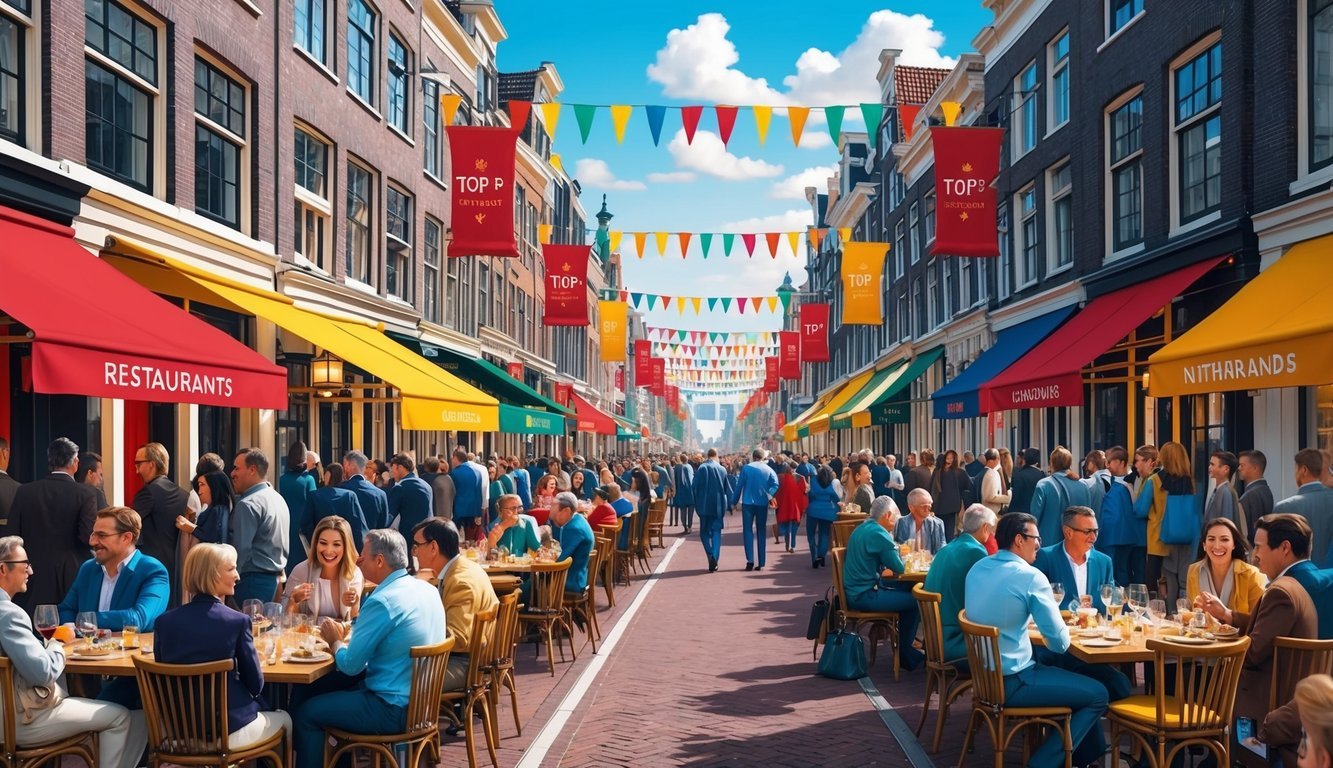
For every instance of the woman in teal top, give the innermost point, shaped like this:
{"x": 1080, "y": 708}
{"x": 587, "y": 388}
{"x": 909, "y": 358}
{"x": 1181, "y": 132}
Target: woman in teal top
{"x": 514, "y": 531}
{"x": 294, "y": 486}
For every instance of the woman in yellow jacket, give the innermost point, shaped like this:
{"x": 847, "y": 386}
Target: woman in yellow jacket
{"x": 1168, "y": 564}
{"x": 1224, "y": 571}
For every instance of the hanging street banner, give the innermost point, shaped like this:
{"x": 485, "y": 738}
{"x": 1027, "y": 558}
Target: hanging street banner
{"x": 483, "y": 208}
{"x": 966, "y": 160}
{"x": 562, "y": 392}
{"x": 657, "y": 379}
{"x": 643, "y": 363}
{"x": 566, "y": 284}
{"x": 620, "y": 378}
{"x": 789, "y": 355}
{"x": 814, "y": 333}
{"x": 611, "y": 330}
{"x": 515, "y": 369}
{"x": 862, "y": 265}
{"x": 770, "y": 374}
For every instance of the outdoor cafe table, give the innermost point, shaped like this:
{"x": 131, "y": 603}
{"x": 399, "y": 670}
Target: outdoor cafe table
{"x": 1124, "y": 653}
{"x": 121, "y": 664}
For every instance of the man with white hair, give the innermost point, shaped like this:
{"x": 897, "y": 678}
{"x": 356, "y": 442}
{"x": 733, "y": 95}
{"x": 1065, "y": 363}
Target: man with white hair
{"x": 871, "y": 560}
{"x": 920, "y": 526}
{"x": 948, "y": 573}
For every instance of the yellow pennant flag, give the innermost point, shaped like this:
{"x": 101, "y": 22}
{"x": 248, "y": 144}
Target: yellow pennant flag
{"x": 640, "y": 242}
{"x": 697, "y": 302}
{"x": 557, "y": 163}
{"x": 772, "y": 303}
{"x": 862, "y": 265}
{"x": 615, "y": 241}
{"x": 661, "y": 238}
{"x": 680, "y": 305}
{"x": 550, "y": 111}
{"x": 797, "y": 116}
{"x": 950, "y": 110}
{"x": 544, "y": 233}
{"x": 845, "y": 234}
{"x": 449, "y": 103}
{"x": 611, "y": 316}
{"x": 619, "y": 119}
{"x": 762, "y": 115}
{"x": 794, "y": 240}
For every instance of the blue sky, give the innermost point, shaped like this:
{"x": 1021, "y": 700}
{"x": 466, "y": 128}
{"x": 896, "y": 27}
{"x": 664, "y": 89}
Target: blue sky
{"x": 685, "y": 52}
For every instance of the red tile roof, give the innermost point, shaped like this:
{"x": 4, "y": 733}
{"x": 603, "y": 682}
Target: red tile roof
{"x": 915, "y": 85}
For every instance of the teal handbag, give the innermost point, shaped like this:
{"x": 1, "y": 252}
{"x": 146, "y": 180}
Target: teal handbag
{"x": 844, "y": 656}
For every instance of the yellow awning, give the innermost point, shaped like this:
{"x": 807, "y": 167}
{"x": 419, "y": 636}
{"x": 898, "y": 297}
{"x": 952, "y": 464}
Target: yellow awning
{"x": 431, "y": 397}
{"x": 819, "y": 422}
{"x": 789, "y": 433}
{"x": 1277, "y": 331}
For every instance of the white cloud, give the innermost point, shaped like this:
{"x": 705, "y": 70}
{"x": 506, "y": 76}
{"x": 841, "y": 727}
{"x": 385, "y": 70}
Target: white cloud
{"x": 787, "y": 221}
{"x": 698, "y": 63}
{"x": 594, "y": 173}
{"x": 708, "y": 155}
{"x": 793, "y": 187}
{"x": 671, "y": 177}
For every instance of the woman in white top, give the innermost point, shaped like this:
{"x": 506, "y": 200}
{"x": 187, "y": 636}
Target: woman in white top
{"x": 329, "y": 583}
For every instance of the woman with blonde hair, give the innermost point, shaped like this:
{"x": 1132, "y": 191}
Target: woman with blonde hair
{"x": 1168, "y": 563}
{"x": 1314, "y": 699}
{"x": 328, "y": 583}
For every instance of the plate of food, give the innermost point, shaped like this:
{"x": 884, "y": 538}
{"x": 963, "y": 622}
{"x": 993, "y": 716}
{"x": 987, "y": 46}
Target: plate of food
{"x": 302, "y": 656}
{"x": 1226, "y": 631}
{"x": 1187, "y": 639}
{"x": 94, "y": 652}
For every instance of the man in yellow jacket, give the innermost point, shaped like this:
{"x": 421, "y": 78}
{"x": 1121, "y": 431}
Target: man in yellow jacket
{"x": 464, "y": 588}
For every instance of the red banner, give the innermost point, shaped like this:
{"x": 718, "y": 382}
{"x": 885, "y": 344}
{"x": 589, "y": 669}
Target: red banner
{"x": 779, "y": 421}
{"x": 657, "y": 381}
{"x": 966, "y": 160}
{"x": 789, "y": 355}
{"x": 516, "y": 370}
{"x": 814, "y": 333}
{"x": 483, "y": 208}
{"x": 770, "y": 374}
{"x": 673, "y": 398}
{"x": 566, "y": 284}
{"x": 562, "y": 393}
{"x": 620, "y": 378}
{"x": 643, "y": 363}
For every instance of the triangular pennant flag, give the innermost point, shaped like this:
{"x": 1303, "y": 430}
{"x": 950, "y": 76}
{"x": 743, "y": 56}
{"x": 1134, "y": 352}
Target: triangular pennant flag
{"x": 550, "y": 112}
{"x": 749, "y": 244}
{"x": 584, "y": 113}
{"x": 712, "y": 306}
{"x": 950, "y": 110}
{"x": 697, "y": 302}
{"x": 681, "y": 335}
{"x": 740, "y": 302}
{"x": 907, "y": 117}
{"x": 655, "y": 112}
{"x": 872, "y": 113}
{"x": 518, "y": 114}
{"x": 544, "y": 233}
{"x": 666, "y": 304}
{"x": 640, "y": 242}
{"x": 689, "y": 117}
{"x": 793, "y": 239}
{"x": 727, "y": 240}
{"x": 652, "y": 299}
{"x": 797, "y": 116}
{"x": 449, "y": 103}
{"x": 726, "y": 120}
{"x": 619, "y": 118}
{"x": 624, "y": 296}
{"x": 772, "y": 238}
{"x": 680, "y": 306}
{"x": 615, "y": 241}
{"x": 762, "y": 115}
{"x": 557, "y": 163}
{"x": 833, "y": 115}
{"x": 636, "y": 299}
{"x": 726, "y": 303}
{"x": 757, "y": 301}
{"x": 845, "y": 234}
{"x": 684, "y": 238}
{"x": 772, "y": 303}
{"x": 661, "y": 239}
{"x": 786, "y": 300}
{"x": 812, "y": 237}
{"x": 705, "y": 241}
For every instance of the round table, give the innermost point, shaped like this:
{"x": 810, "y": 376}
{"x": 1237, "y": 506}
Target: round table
{"x": 504, "y": 583}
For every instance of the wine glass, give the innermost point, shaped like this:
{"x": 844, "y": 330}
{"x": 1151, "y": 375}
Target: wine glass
{"x": 1058, "y": 592}
{"x": 1137, "y": 596}
{"x": 85, "y": 624}
{"x": 1157, "y": 610}
{"x": 46, "y": 618}
{"x": 1108, "y": 590}
{"x": 253, "y": 608}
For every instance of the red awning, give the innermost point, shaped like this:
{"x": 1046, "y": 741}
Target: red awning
{"x": 590, "y": 417}
{"x": 1050, "y": 374}
{"x": 98, "y": 333}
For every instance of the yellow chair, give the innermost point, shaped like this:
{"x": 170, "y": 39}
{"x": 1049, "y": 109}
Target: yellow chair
{"x": 501, "y": 670}
{"x": 942, "y": 675}
{"x": 581, "y": 603}
{"x": 988, "y": 705}
{"x": 1295, "y": 659}
{"x": 888, "y": 620}
{"x": 546, "y": 610}
{"x": 475, "y": 694}
{"x": 81, "y": 745}
{"x": 1199, "y": 712}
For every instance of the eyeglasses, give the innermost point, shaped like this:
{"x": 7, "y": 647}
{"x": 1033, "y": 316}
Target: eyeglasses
{"x": 511, "y": 508}
{"x": 1084, "y": 531}
{"x": 27, "y": 563}
{"x": 100, "y": 535}
{"x": 1032, "y": 537}
{"x": 416, "y": 543}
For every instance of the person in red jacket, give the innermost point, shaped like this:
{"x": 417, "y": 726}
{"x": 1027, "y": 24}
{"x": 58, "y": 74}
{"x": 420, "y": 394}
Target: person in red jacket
{"x": 791, "y": 499}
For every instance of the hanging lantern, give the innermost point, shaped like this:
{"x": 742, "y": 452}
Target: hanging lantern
{"x": 326, "y": 374}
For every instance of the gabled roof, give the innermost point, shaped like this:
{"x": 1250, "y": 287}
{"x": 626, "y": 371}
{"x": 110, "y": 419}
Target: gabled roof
{"x": 914, "y": 85}
{"x": 518, "y": 86}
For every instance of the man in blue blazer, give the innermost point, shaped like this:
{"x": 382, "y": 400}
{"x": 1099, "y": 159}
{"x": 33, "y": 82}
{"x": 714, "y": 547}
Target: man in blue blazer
{"x": 332, "y": 499}
{"x": 920, "y": 526}
{"x": 1314, "y": 502}
{"x": 758, "y": 483}
{"x": 1059, "y": 560}
{"x": 469, "y": 490}
{"x": 374, "y": 502}
{"x": 682, "y": 476}
{"x": 710, "y": 500}
{"x": 410, "y": 498}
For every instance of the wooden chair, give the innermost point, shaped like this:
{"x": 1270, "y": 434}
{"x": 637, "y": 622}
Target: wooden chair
{"x": 657, "y": 522}
{"x": 840, "y": 531}
{"x": 642, "y": 541}
{"x": 185, "y": 706}
{"x": 421, "y": 732}
{"x": 546, "y": 609}
{"x": 942, "y": 675}
{"x": 606, "y": 553}
{"x": 988, "y": 705}
{"x": 1200, "y": 710}
{"x": 582, "y": 603}
{"x": 1295, "y": 659}
{"x": 502, "y": 668}
{"x": 81, "y": 745}
{"x": 888, "y": 620}
{"x": 623, "y": 558}
{"x": 475, "y": 695}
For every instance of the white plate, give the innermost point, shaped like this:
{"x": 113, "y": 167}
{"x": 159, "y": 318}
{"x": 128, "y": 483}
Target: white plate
{"x": 1100, "y": 642}
{"x": 1186, "y": 640}
{"x": 96, "y": 657}
{"x": 317, "y": 658}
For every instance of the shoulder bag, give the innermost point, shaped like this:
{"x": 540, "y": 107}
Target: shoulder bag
{"x": 844, "y": 656}
{"x": 1180, "y": 521}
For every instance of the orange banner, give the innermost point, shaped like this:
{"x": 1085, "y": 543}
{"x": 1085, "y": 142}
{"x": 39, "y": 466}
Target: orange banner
{"x": 862, "y": 265}
{"x": 611, "y": 316}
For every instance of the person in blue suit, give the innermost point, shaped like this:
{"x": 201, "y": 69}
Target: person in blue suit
{"x": 758, "y": 483}
{"x": 1123, "y": 536}
{"x": 470, "y": 488}
{"x": 374, "y": 501}
{"x": 711, "y": 501}
{"x": 410, "y": 498}
{"x": 1055, "y": 493}
{"x": 921, "y": 527}
{"x": 682, "y": 476}
{"x": 295, "y": 487}
{"x": 333, "y": 500}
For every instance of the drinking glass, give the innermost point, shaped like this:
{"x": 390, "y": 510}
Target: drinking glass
{"x": 264, "y": 647}
{"x": 45, "y": 618}
{"x": 1058, "y": 592}
{"x": 85, "y": 624}
{"x": 1157, "y": 610}
{"x": 129, "y": 636}
{"x": 1137, "y": 596}
{"x": 253, "y": 608}
{"x": 273, "y": 612}
{"x": 1108, "y": 590}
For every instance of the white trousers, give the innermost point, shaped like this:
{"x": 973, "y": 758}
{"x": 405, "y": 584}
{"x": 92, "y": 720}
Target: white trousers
{"x": 263, "y": 726}
{"x": 122, "y": 734}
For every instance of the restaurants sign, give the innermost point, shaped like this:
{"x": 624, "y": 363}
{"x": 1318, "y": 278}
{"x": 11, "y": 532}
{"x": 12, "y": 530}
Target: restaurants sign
{"x": 58, "y": 368}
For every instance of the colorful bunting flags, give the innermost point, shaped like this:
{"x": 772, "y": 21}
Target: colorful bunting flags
{"x": 762, "y": 116}
{"x": 584, "y": 113}
{"x": 778, "y": 243}
{"x": 726, "y": 120}
{"x": 655, "y": 115}
{"x": 550, "y": 112}
{"x": 619, "y": 119}
{"x": 689, "y": 118}
{"x": 797, "y": 117}
{"x": 696, "y": 303}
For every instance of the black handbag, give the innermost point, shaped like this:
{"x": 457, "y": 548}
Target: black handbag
{"x": 819, "y": 616}
{"x": 844, "y": 656}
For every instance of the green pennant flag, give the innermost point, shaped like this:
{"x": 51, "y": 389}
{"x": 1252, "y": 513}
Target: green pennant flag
{"x": 584, "y": 113}
{"x": 652, "y": 299}
{"x": 680, "y": 335}
{"x": 726, "y": 300}
{"x": 705, "y": 240}
{"x": 872, "y": 114}
{"x": 834, "y": 117}
{"x": 727, "y": 240}
{"x": 786, "y": 300}
{"x": 712, "y": 305}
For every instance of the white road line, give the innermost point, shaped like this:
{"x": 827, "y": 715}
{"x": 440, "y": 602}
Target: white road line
{"x": 540, "y": 746}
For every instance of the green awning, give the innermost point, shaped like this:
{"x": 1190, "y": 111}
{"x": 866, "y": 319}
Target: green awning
{"x": 842, "y": 418}
{"x": 888, "y": 408}
{"x": 626, "y": 429}
{"x": 482, "y": 374}
{"x": 530, "y": 421}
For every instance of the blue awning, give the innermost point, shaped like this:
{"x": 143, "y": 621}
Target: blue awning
{"x": 958, "y": 399}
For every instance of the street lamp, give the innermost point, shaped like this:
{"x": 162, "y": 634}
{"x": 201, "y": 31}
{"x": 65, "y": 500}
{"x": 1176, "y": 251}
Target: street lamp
{"x": 326, "y": 374}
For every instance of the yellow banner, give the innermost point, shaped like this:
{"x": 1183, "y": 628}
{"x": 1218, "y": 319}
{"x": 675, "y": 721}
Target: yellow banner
{"x": 862, "y": 265}
{"x": 611, "y": 327}
{"x": 550, "y": 111}
{"x": 797, "y": 116}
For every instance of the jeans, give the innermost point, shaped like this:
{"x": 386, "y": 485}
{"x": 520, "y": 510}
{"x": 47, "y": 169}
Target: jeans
{"x": 1043, "y": 686}
{"x": 1113, "y": 680}
{"x": 897, "y": 601}
{"x": 710, "y": 533}
{"x": 356, "y": 710}
{"x": 257, "y": 586}
{"x": 788, "y": 531}
{"x": 817, "y": 534}
{"x": 753, "y": 520}
{"x": 687, "y": 518}
{"x": 1128, "y": 564}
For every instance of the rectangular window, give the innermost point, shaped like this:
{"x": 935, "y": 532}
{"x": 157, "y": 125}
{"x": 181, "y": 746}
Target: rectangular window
{"x": 361, "y": 22}
{"x": 313, "y": 209}
{"x": 312, "y": 162}
{"x": 13, "y": 76}
{"x": 1059, "y": 188}
{"x": 431, "y": 129}
{"x": 1058, "y": 66}
{"x": 309, "y": 21}
{"x": 398, "y": 220}
{"x": 452, "y": 305}
{"x": 360, "y": 202}
{"x": 1319, "y": 96}
{"x": 219, "y": 136}
{"x": 399, "y": 103}
{"x": 904, "y": 317}
{"x": 913, "y": 231}
{"x": 936, "y": 287}
{"x": 1198, "y": 128}
{"x": 967, "y": 289}
{"x": 120, "y": 89}
{"x": 1025, "y": 110}
{"x": 483, "y": 295}
{"x": 929, "y": 219}
{"x": 1004, "y": 273}
{"x": 899, "y": 243}
{"x": 1126, "y": 135}
{"x": 919, "y": 309}
{"x": 1121, "y": 12}
{"x": 1029, "y": 237}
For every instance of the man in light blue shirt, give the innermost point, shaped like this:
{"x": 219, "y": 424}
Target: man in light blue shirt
{"x": 754, "y": 492}
{"x": 576, "y": 539}
{"x": 1004, "y": 591}
{"x": 259, "y": 528}
{"x": 401, "y": 613}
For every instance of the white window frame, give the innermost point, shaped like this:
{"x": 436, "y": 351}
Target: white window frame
{"x": 28, "y": 80}
{"x": 1025, "y": 110}
{"x": 369, "y": 272}
{"x": 1111, "y": 32}
{"x": 899, "y": 244}
{"x": 1178, "y": 226}
{"x": 1113, "y": 166}
{"x": 966, "y": 297}
{"x": 1055, "y": 68}
{"x": 398, "y": 253}
{"x": 376, "y": 44}
{"x": 1307, "y": 178}
{"x": 1026, "y": 227}
{"x": 404, "y": 78}
{"x": 432, "y": 274}
{"x": 913, "y": 227}
{"x": 1054, "y": 197}
{"x": 1004, "y": 276}
{"x": 934, "y": 296}
{"x": 928, "y": 218}
{"x": 322, "y": 57}
{"x": 157, "y": 152}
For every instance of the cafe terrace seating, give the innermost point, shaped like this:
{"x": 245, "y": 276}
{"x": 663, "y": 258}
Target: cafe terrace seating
{"x": 501, "y": 670}
{"x": 81, "y": 745}
{"x": 581, "y": 604}
{"x": 474, "y": 697}
{"x": 943, "y": 678}
{"x": 885, "y": 620}
{"x": 546, "y": 611}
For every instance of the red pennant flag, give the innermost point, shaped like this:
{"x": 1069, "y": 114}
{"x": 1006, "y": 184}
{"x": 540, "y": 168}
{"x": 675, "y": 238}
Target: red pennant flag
{"x": 689, "y": 117}
{"x": 518, "y": 114}
{"x": 566, "y": 284}
{"x": 726, "y": 120}
{"x": 483, "y": 200}
{"x": 790, "y": 355}
{"x": 740, "y": 302}
{"x": 966, "y": 159}
{"x": 906, "y": 116}
{"x": 749, "y": 243}
{"x": 643, "y": 362}
{"x": 814, "y": 333}
{"x": 684, "y": 238}
{"x": 772, "y": 238}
